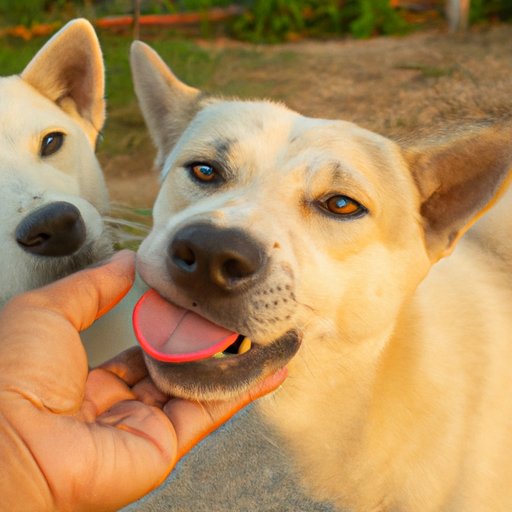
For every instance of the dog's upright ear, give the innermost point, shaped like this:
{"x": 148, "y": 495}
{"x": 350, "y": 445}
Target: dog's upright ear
{"x": 167, "y": 104}
{"x": 69, "y": 71}
{"x": 459, "y": 178}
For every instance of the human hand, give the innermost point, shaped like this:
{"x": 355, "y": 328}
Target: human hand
{"x": 74, "y": 439}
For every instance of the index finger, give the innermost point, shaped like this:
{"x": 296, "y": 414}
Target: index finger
{"x": 192, "y": 421}
{"x": 86, "y": 295}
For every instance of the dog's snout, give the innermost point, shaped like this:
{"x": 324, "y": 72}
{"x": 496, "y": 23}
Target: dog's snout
{"x": 202, "y": 256}
{"x": 56, "y": 229}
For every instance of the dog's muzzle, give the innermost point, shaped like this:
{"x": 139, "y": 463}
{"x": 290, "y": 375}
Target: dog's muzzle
{"x": 203, "y": 258}
{"x": 221, "y": 271}
{"x": 56, "y": 229}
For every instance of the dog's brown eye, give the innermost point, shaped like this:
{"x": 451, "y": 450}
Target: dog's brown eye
{"x": 343, "y": 205}
{"x": 51, "y": 143}
{"x": 203, "y": 172}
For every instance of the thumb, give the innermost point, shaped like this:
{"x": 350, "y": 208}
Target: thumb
{"x": 86, "y": 295}
{"x": 41, "y": 354}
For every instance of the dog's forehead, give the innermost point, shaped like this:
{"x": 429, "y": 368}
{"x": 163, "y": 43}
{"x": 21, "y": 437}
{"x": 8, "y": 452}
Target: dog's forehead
{"x": 269, "y": 133}
{"x": 343, "y": 141}
{"x": 240, "y": 121}
{"x": 26, "y": 109}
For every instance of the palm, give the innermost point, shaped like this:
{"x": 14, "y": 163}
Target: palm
{"x": 74, "y": 439}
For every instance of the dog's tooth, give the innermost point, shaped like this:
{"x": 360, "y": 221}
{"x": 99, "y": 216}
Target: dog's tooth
{"x": 244, "y": 346}
{"x": 219, "y": 355}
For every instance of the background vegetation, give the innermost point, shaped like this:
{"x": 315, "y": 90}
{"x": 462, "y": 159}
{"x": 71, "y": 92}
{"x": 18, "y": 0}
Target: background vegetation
{"x": 390, "y": 85}
{"x": 267, "y": 21}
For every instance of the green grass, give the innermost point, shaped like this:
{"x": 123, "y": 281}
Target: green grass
{"x": 429, "y": 71}
{"x": 195, "y": 65}
{"x": 189, "y": 62}
{"x": 16, "y": 53}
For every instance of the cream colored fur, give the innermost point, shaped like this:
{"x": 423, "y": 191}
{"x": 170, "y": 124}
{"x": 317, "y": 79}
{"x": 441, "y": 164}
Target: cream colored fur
{"x": 399, "y": 398}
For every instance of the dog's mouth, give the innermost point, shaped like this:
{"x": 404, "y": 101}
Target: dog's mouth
{"x": 172, "y": 334}
{"x": 190, "y": 356}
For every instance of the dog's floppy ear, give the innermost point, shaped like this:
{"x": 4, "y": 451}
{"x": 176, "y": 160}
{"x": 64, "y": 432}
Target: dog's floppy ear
{"x": 458, "y": 180}
{"x": 167, "y": 104}
{"x": 68, "y": 70}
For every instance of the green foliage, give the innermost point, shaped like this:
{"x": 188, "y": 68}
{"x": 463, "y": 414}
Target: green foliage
{"x": 377, "y": 17}
{"x": 267, "y": 21}
{"x": 201, "y": 5}
{"x": 112, "y": 7}
{"x": 160, "y": 7}
{"x": 16, "y": 53}
{"x": 31, "y": 12}
{"x": 481, "y": 10}
{"x": 270, "y": 21}
{"x": 279, "y": 20}
{"x": 25, "y": 12}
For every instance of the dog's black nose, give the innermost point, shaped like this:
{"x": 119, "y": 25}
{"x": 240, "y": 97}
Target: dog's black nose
{"x": 56, "y": 229}
{"x": 202, "y": 256}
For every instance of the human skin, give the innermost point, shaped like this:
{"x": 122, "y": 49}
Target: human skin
{"x": 77, "y": 439}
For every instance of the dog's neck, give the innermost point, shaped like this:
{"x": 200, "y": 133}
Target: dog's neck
{"x": 391, "y": 388}
{"x": 297, "y": 401}
{"x": 346, "y": 409}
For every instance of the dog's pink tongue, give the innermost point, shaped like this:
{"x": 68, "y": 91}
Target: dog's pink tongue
{"x": 173, "y": 334}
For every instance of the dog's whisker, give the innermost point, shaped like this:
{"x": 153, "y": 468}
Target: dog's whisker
{"x": 126, "y": 223}
{"x": 128, "y": 226}
{"x": 269, "y": 441}
{"x": 306, "y": 306}
{"x": 309, "y": 356}
{"x": 205, "y": 410}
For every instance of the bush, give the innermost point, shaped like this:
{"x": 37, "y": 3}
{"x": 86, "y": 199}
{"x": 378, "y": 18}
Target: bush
{"x": 268, "y": 21}
{"x": 30, "y": 12}
{"x": 24, "y": 12}
{"x": 377, "y": 17}
{"x": 278, "y": 20}
{"x": 481, "y": 10}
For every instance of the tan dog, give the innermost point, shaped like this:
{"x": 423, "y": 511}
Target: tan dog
{"x": 317, "y": 239}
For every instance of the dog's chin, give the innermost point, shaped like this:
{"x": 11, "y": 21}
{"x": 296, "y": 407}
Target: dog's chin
{"x": 223, "y": 378}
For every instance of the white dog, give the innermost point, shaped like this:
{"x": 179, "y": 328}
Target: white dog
{"x": 53, "y": 194}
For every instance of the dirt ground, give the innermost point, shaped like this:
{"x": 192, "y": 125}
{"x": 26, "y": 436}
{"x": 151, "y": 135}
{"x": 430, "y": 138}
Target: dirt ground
{"x": 394, "y": 85}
